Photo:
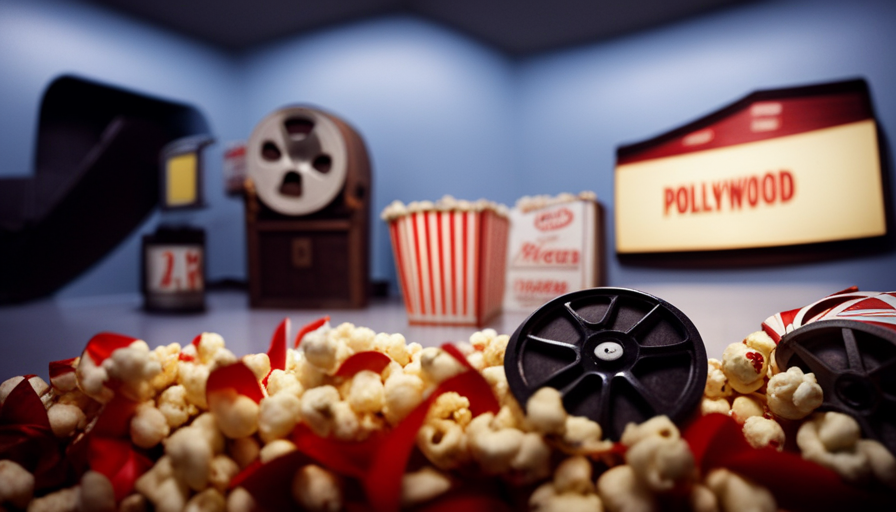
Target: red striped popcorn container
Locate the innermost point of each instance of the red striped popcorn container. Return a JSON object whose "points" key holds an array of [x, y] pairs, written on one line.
{"points": [[451, 258]]}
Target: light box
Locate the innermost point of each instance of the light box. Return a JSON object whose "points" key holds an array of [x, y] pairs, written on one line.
{"points": [[181, 169], [787, 168]]}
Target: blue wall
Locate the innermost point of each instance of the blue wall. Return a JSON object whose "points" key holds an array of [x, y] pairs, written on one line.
{"points": [[443, 114], [577, 106]]}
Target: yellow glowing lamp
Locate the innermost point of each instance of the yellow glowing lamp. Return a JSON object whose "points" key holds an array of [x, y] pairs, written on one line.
{"points": [[182, 173]]}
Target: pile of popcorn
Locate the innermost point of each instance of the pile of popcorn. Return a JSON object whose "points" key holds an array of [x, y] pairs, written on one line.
{"points": [[195, 438]]}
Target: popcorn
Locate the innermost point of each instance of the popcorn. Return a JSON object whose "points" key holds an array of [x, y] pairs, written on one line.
{"points": [[745, 407], [221, 470], [192, 377], [244, 450], [451, 406], [209, 500], [96, 493], [570, 491], [744, 367], [367, 393], [545, 412], [190, 457], [494, 449], [833, 440], [581, 436], [761, 432], [235, 414], [274, 449], [401, 394], [422, 486], [190, 451], [657, 454], [394, 346], [317, 489], [794, 395], [284, 382], [621, 491], [278, 416], [436, 365], [65, 419], [239, 500], [714, 405], [317, 409], [734, 492], [134, 368], [166, 492], [16, 484], [64, 500], [716, 381], [167, 357], [324, 351], [174, 405], [260, 364], [149, 426], [443, 443]]}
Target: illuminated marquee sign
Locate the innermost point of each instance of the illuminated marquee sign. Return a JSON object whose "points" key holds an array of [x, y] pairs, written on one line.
{"points": [[778, 168]]}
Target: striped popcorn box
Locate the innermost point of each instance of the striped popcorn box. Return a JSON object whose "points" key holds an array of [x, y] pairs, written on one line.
{"points": [[451, 258], [877, 308]]}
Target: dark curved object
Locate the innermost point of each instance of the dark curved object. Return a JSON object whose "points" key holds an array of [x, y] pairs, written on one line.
{"points": [[96, 179], [616, 355], [855, 365]]}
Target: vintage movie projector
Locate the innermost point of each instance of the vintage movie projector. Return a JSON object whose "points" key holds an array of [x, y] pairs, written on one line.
{"points": [[307, 211]]}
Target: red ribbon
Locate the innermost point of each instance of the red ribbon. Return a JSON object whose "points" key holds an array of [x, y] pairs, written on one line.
{"points": [[237, 377], [717, 441], [277, 350], [378, 462], [101, 346], [367, 360]]}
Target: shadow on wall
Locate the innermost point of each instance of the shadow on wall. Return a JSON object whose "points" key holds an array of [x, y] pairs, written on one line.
{"points": [[96, 179]]}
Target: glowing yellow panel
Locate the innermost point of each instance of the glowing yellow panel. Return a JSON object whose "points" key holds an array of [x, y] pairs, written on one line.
{"points": [[181, 179]]}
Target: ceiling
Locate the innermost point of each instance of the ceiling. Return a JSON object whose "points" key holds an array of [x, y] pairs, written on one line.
{"points": [[517, 27]]}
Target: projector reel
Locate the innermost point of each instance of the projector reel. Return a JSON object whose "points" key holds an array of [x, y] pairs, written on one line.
{"points": [[616, 356], [855, 365], [297, 160]]}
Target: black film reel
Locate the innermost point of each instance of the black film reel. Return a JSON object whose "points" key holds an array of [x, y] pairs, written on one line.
{"points": [[616, 355], [855, 365]]}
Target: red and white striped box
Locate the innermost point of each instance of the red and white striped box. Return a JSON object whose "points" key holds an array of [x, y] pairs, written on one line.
{"points": [[451, 259]]}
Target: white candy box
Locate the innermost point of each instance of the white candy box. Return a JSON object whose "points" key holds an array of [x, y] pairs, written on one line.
{"points": [[554, 249]]}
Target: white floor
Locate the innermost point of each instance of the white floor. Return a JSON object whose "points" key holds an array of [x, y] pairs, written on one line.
{"points": [[36, 333]]}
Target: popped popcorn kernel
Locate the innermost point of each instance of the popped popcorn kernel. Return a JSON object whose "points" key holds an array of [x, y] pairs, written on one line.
{"points": [[794, 395]]}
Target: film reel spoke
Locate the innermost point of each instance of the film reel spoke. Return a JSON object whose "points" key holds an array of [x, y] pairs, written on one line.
{"points": [[574, 386], [646, 323], [885, 368], [853, 355], [816, 365], [683, 347], [647, 396], [560, 377], [558, 344]]}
